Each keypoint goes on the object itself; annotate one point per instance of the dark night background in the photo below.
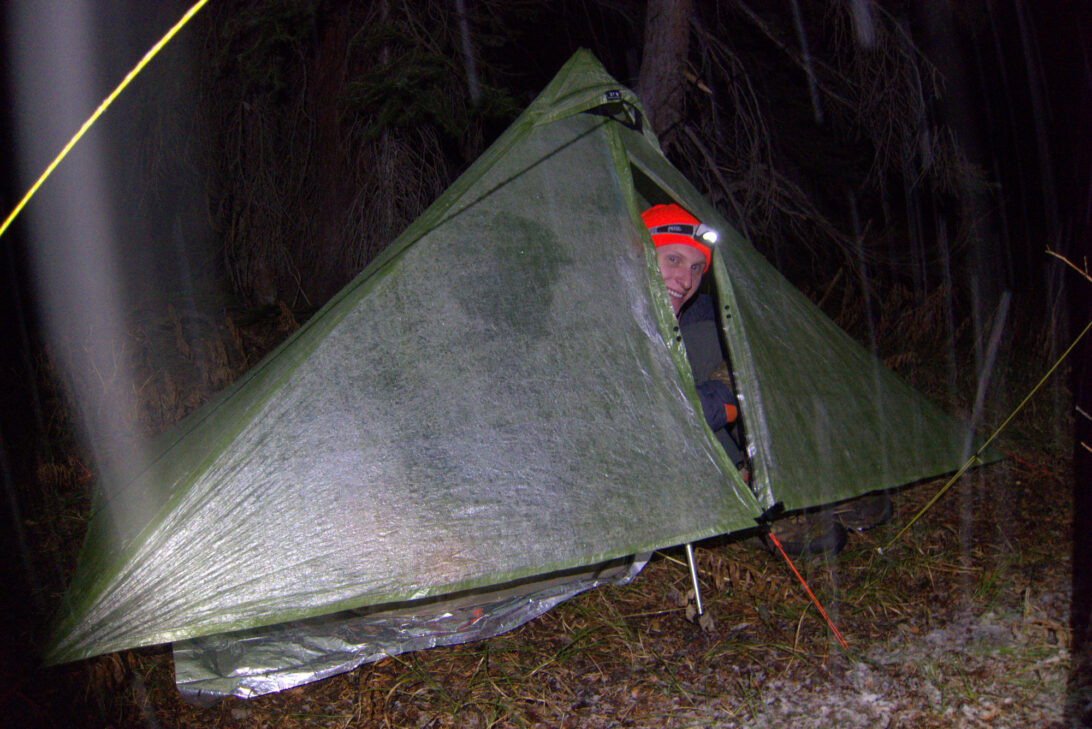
(274, 147)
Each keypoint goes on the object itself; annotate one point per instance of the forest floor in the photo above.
(961, 622)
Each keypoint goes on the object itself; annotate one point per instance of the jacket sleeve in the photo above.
(714, 395)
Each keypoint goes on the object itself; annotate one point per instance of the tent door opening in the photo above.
(703, 337)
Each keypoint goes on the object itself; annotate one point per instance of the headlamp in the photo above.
(706, 234)
(701, 233)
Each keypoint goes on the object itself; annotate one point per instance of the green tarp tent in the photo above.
(498, 405)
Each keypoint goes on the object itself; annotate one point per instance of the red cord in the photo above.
(1025, 464)
(86, 475)
(837, 634)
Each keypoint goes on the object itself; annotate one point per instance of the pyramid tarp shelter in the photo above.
(500, 400)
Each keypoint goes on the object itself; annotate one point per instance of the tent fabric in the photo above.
(501, 395)
(490, 402)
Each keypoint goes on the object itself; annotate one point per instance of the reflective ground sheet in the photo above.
(254, 662)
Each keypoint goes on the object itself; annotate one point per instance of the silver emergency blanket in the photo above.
(260, 661)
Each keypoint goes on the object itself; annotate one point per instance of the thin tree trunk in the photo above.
(467, 46)
(661, 83)
(327, 190)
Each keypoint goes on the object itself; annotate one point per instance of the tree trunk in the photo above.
(321, 256)
(661, 83)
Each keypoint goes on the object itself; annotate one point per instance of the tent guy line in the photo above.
(99, 112)
(976, 457)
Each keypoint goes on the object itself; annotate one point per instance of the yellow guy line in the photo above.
(102, 107)
(975, 458)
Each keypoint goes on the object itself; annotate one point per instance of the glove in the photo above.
(718, 404)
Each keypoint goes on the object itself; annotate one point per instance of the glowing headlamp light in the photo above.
(706, 234)
(701, 233)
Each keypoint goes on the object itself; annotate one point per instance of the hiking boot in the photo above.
(808, 534)
(865, 512)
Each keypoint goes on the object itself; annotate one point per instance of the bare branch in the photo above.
(1066, 261)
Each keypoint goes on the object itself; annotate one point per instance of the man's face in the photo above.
(682, 267)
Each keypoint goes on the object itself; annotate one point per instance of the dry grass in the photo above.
(626, 656)
(619, 656)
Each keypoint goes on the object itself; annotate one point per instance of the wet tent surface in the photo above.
(457, 417)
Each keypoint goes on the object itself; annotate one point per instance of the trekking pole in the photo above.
(694, 577)
(699, 616)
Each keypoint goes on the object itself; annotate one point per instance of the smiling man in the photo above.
(684, 252)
